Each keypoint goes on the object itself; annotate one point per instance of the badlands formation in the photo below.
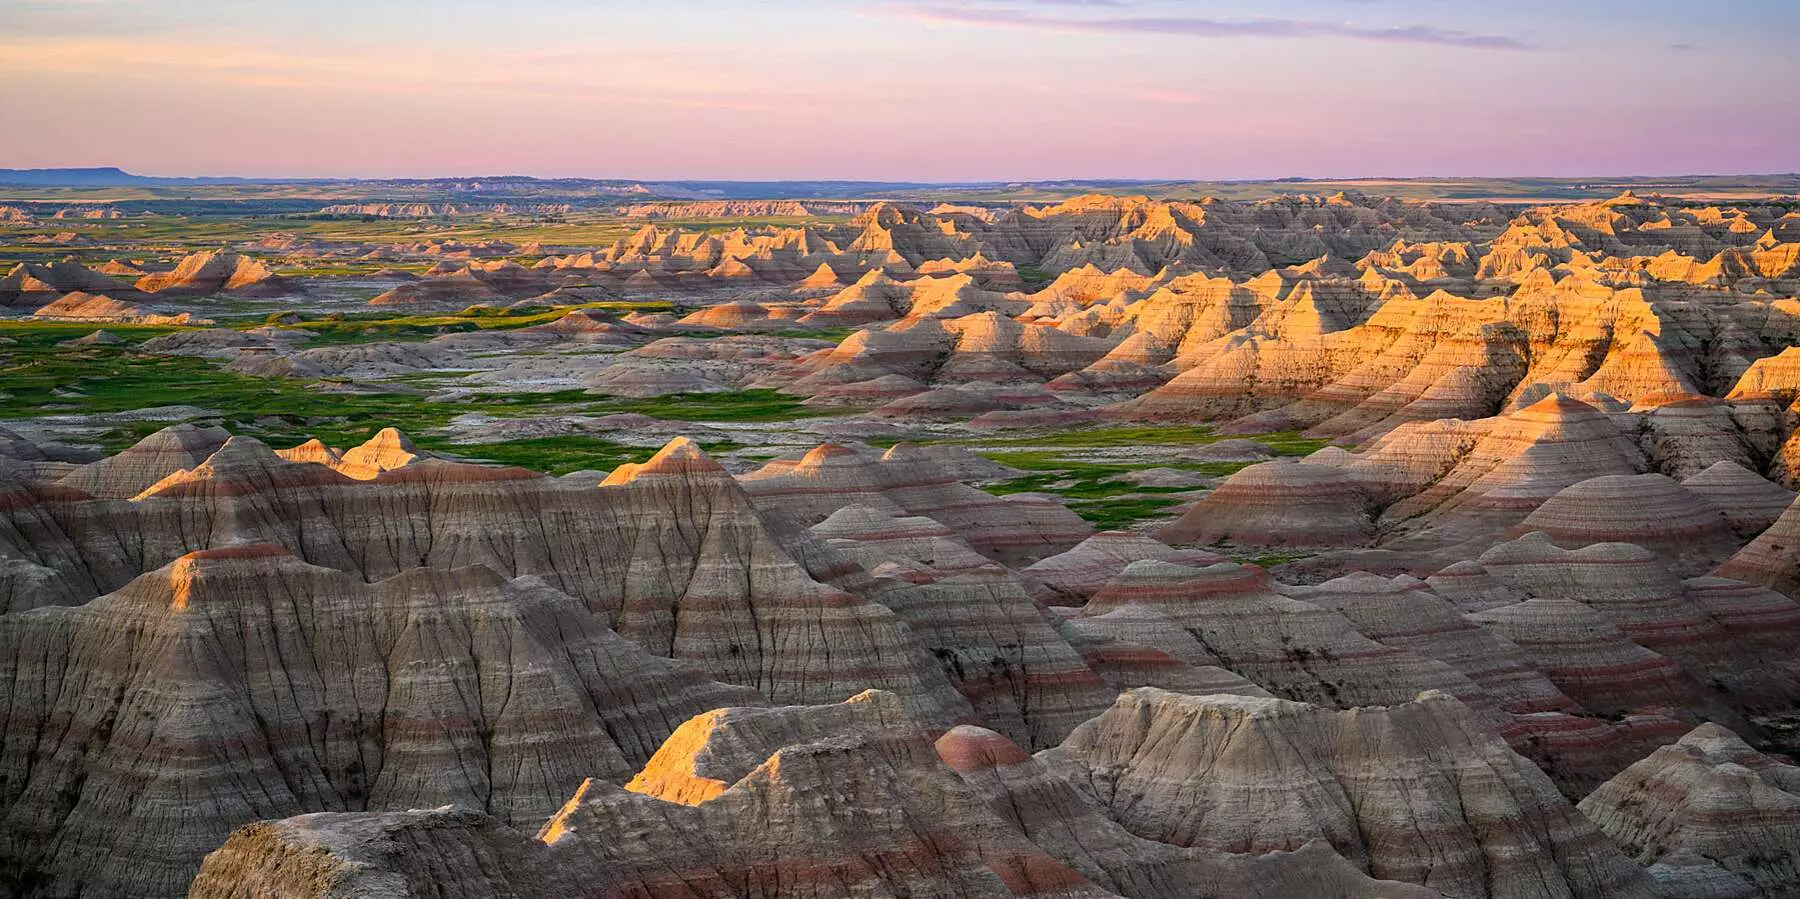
(1320, 545)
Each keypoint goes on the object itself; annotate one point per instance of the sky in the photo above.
(919, 90)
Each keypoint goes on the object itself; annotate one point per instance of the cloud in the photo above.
(609, 78)
(1197, 26)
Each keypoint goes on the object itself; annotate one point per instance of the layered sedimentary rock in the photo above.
(1590, 659)
(1405, 614)
(698, 365)
(1279, 504)
(1073, 577)
(1750, 502)
(734, 803)
(31, 285)
(1709, 810)
(1650, 510)
(1292, 648)
(669, 553)
(1732, 636)
(155, 457)
(1073, 829)
(1556, 416)
(213, 272)
(999, 358)
(874, 537)
(242, 683)
(1455, 484)
(1773, 558)
(78, 306)
(1019, 674)
(1454, 809)
(745, 801)
(906, 480)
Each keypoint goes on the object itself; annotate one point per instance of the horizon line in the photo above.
(1795, 173)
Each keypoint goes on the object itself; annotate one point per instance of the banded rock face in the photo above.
(1074, 829)
(150, 460)
(1590, 659)
(1649, 510)
(735, 804)
(242, 683)
(777, 802)
(1289, 647)
(1135, 646)
(671, 554)
(31, 285)
(1073, 577)
(1279, 504)
(1519, 462)
(1750, 502)
(1451, 808)
(873, 537)
(1735, 637)
(1773, 558)
(1404, 614)
(1708, 810)
(983, 354)
(203, 274)
(907, 480)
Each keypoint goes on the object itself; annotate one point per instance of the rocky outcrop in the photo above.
(216, 272)
(1279, 504)
(242, 683)
(78, 306)
(1750, 502)
(1073, 577)
(1454, 809)
(907, 480)
(1289, 647)
(742, 209)
(746, 801)
(1773, 558)
(1710, 810)
(671, 554)
(30, 285)
(150, 460)
(1650, 510)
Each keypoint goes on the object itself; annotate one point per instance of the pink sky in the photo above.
(986, 90)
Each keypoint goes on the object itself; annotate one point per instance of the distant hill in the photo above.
(95, 177)
(111, 176)
(112, 184)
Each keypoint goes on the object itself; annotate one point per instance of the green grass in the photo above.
(748, 406)
(1033, 276)
(728, 406)
(558, 455)
(1118, 514)
(1097, 491)
(35, 369)
(367, 327)
(1265, 560)
(1286, 443)
(1060, 463)
(1291, 443)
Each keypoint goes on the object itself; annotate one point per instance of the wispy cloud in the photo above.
(1202, 27)
(612, 78)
